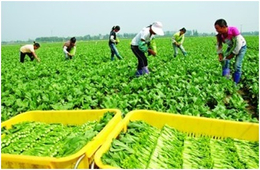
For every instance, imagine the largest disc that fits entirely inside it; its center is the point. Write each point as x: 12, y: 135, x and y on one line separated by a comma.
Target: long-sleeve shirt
x: 145, y: 35
x: 177, y: 37
x: 233, y: 39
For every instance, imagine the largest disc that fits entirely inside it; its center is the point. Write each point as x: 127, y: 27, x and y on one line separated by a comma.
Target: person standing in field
x: 69, y: 48
x: 236, y: 47
x: 113, y: 40
x: 30, y: 51
x: 139, y: 46
x: 177, y: 41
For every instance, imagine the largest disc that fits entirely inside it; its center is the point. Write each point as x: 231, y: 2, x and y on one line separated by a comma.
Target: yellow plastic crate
x: 81, y: 159
x: 195, y: 126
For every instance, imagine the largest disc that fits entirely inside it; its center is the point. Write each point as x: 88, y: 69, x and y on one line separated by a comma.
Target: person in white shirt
x: 29, y: 50
x: 69, y: 48
x: 139, y: 46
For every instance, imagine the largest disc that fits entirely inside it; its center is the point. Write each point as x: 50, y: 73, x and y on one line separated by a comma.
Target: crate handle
x: 78, y: 161
x: 92, y: 165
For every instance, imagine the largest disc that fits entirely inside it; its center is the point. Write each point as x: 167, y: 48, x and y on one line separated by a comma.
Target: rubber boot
x: 146, y: 70
x: 237, y: 77
x: 226, y: 72
x: 139, y: 73
x: 112, y: 58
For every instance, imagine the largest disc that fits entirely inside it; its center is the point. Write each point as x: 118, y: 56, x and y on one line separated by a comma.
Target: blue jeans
x: 238, y: 62
x: 175, y: 49
x: 114, y: 51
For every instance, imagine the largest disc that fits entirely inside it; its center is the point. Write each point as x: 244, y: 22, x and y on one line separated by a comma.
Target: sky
x: 23, y: 20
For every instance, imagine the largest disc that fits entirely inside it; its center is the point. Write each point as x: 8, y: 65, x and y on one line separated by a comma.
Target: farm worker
x: 69, y: 48
x: 236, y: 47
x: 113, y: 40
x: 30, y: 51
x: 139, y: 45
x: 177, y: 41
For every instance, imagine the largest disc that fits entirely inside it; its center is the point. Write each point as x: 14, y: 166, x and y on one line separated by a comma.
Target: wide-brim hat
x: 157, y: 28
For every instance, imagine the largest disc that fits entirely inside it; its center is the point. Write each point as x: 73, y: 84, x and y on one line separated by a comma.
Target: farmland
x: 191, y: 86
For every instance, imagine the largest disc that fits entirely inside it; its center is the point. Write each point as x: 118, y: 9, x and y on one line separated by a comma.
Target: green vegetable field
x: 191, y: 86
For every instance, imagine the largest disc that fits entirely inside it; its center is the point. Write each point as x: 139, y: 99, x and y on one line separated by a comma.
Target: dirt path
x: 251, y: 108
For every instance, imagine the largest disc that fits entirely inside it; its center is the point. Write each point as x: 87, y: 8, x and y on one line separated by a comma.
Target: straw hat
x: 157, y: 28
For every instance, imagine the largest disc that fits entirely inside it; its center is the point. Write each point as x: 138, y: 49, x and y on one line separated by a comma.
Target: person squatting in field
x: 113, y: 40
x: 69, y: 48
x: 139, y: 45
x: 177, y: 41
x: 236, y: 48
x: 30, y: 51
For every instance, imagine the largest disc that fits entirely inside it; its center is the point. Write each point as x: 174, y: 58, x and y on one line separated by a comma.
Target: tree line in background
x: 188, y: 33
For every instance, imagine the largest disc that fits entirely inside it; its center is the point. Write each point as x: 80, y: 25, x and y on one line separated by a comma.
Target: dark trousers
x: 22, y: 56
x: 142, y: 60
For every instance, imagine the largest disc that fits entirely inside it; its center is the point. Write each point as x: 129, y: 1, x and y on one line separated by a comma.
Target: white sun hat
x: 157, y: 28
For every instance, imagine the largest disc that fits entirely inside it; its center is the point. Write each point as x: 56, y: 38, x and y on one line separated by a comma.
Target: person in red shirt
x: 236, y: 48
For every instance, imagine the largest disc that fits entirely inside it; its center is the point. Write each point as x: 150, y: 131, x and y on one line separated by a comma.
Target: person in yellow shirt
x: 30, y: 51
x: 177, y: 41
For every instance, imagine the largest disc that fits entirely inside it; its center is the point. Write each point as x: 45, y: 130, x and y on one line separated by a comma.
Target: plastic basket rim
x: 125, y: 121
x: 61, y: 159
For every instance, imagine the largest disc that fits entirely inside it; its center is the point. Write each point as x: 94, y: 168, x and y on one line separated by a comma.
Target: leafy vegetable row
x: 50, y: 140
x: 191, y: 86
x: 146, y: 147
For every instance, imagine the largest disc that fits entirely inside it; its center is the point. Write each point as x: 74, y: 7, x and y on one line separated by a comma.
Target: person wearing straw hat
x: 139, y: 45
x: 177, y: 41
